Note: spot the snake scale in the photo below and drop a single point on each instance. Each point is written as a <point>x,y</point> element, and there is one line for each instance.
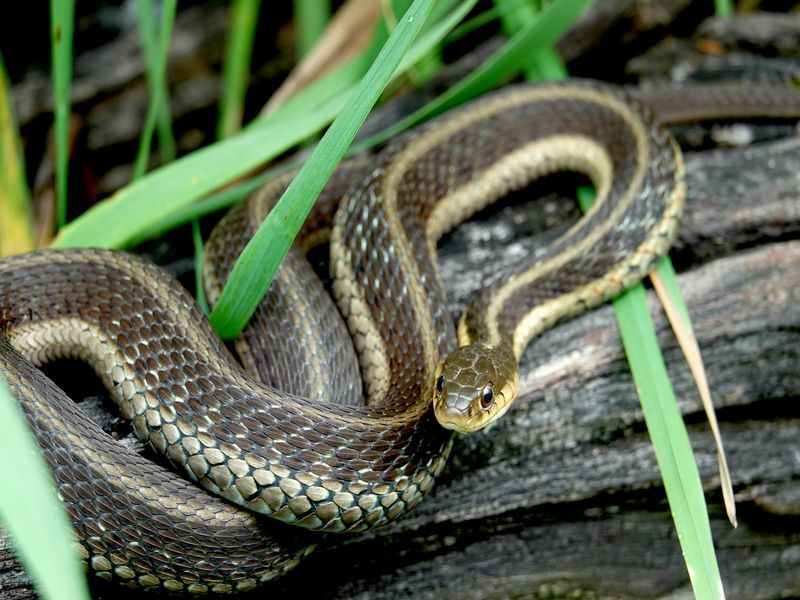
<point>287,454</point>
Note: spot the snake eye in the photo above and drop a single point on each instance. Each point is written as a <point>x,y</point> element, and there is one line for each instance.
<point>440,384</point>
<point>487,397</point>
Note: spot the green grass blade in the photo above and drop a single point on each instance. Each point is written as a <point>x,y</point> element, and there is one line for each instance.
<point>427,66</point>
<point>470,25</point>
<point>223,199</point>
<point>663,418</point>
<point>345,78</point>
<point>305,100</point>
<point>157,85</point>
<point>723,8</point>
<point>509,60</point>
<point>668,435</point>
<point>61,27</point>
<point>236,67</point>
<point>31,511</point>
<point>142,206</point>
<point>147,28</point>
<point>16,216</point>
<point>259,260</point>
<point>670,442</point>
<point>338,81</point>
<point>514,15</point>
<point>310,19</point>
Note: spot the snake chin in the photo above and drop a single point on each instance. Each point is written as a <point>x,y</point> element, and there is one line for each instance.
<point>473,387</point>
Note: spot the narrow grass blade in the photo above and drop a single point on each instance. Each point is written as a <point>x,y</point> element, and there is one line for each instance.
<point>303,101</point>
<point>347,75</point>
<point>259,260</point>
<point>665,284</point>
<point>199,290</point>
<point>143,205</point>
<point>470,25</point>
<point>148,30</point>
<point>61,27</point>
<point>236,67</point>
<point>307,96</point>
<point>427,66</point>
<point>157,86</point>
<point>514,15</point>
<point>552,22</point>
<point>16,217</point>
<point>723,8</point>
<point>31,511</point>
<point>223,199</point>
<point>670,443</point>
<point>310,18</point>
<point>668,435</point>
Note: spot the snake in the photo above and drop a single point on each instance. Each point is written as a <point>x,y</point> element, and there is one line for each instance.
<point>279,447</point>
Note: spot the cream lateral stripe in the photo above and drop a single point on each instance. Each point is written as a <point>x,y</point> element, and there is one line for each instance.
<point>618,278</point>
<point>193,335</point>
<point>519,168</point>
<point>441,135</point>
<point>542,157</point>
<point>372,354</point>
<point>581,246</point>
<point>42,341</point>
<point>28,341</point>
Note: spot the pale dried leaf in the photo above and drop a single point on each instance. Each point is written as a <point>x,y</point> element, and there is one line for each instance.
<point>688,343</point>
<point>347,34</point>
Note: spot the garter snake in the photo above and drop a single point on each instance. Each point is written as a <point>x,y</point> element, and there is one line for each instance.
<point>326,467</point>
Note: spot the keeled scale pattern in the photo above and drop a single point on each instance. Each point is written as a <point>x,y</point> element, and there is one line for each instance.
<point>321,467</point>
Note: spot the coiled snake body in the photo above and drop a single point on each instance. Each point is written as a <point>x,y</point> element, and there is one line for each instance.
<point>321,466</point>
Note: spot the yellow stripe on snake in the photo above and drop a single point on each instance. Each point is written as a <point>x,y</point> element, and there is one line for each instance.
<point>288,453</point>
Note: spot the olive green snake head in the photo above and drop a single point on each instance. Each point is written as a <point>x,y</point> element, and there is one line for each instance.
<point>474,386</point>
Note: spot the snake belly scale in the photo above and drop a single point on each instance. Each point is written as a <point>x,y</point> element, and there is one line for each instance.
<point>317,466</point>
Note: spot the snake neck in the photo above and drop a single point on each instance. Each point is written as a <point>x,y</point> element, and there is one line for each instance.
<point>636,170</point>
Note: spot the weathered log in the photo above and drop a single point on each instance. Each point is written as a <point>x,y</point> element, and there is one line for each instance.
<point>563,496</point>
<point>761,47</point>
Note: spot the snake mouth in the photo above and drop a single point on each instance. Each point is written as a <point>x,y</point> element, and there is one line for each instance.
<point>453,419</point>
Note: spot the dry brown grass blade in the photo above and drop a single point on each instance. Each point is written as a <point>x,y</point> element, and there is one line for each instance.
<point>691,350</point>
<point>16,230</point>
<point>349,32</point>
<point>44,185</point>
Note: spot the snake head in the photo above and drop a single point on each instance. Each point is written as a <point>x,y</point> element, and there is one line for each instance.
<point>474,386</point>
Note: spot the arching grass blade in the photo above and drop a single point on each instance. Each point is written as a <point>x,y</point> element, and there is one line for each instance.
<point>157,75</point>
<point>260,259</point>
<point>236,66</point>
<point>16,218</point>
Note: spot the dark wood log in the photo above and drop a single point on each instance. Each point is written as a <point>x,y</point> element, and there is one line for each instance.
<point>563,496</point>
<point>760,47</point>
